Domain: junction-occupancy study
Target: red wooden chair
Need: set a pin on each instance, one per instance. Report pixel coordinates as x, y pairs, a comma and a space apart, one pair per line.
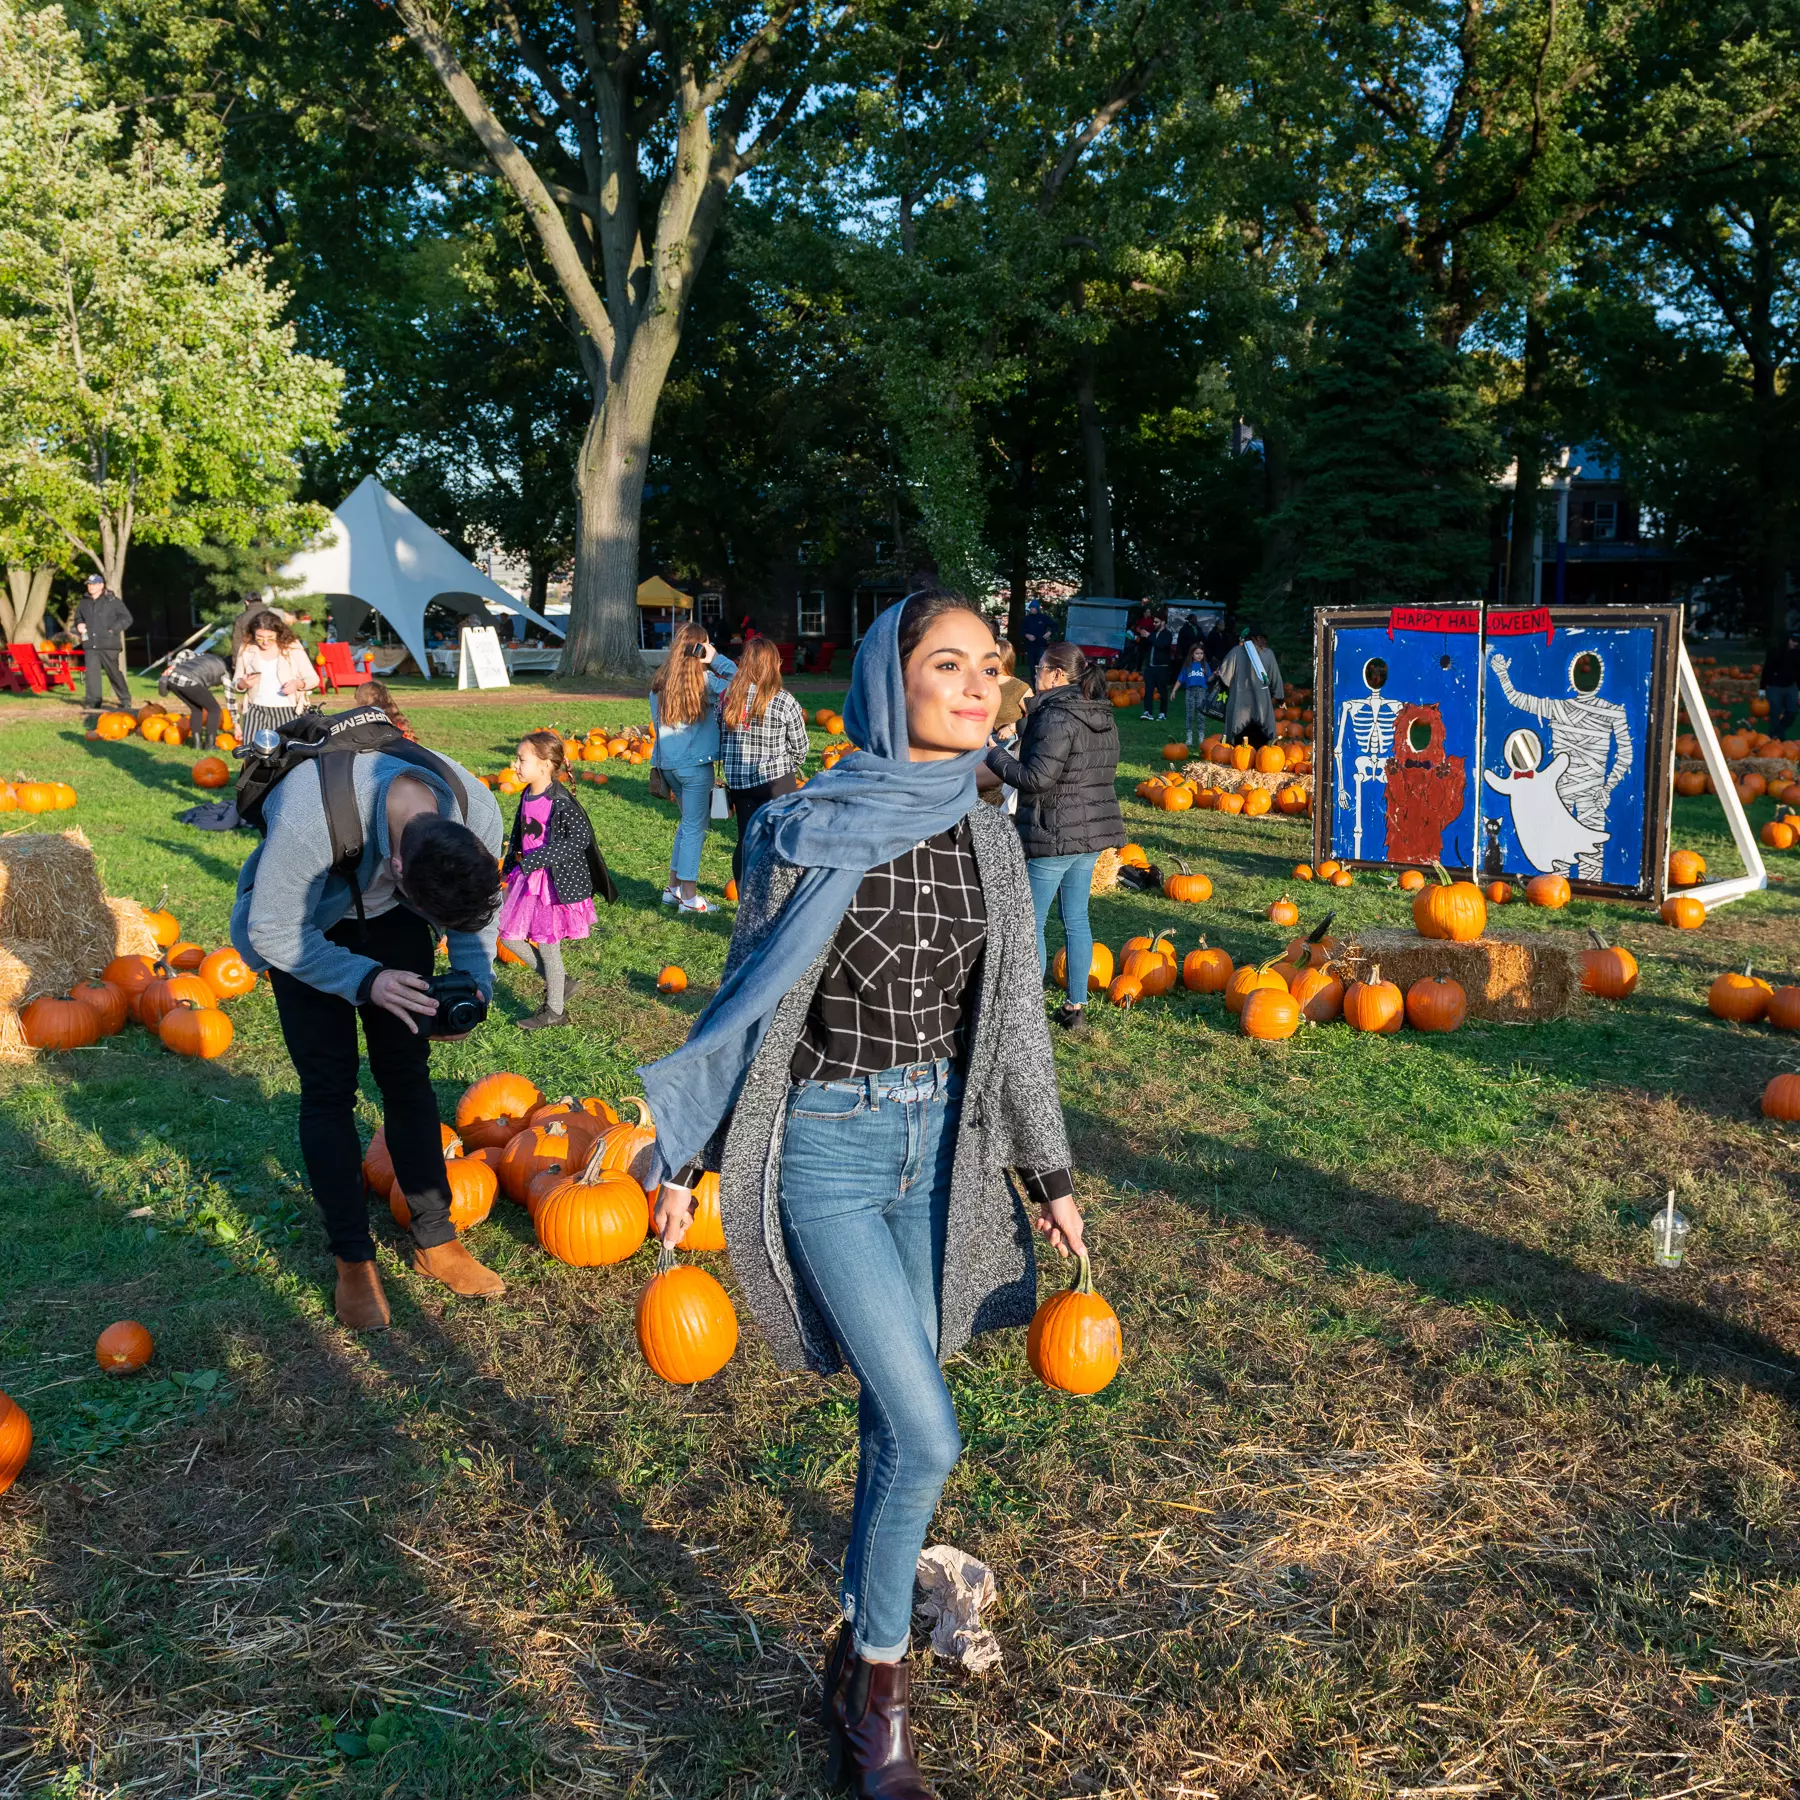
786, 653
337, 667
29, 671
818, 661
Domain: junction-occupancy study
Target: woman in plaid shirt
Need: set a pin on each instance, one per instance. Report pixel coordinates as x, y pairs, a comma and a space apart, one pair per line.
764, 738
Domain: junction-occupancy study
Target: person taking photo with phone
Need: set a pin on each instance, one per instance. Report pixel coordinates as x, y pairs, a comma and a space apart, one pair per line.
362, 943
684, 708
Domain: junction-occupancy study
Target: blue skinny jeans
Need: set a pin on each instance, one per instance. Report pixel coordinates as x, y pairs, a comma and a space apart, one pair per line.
1067, 880
695, 785
865, 1198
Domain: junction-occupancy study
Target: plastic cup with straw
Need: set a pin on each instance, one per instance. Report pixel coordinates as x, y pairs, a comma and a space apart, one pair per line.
1669, 1235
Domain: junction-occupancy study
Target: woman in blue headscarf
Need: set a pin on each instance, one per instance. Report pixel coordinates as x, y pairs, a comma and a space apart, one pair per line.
874, 1083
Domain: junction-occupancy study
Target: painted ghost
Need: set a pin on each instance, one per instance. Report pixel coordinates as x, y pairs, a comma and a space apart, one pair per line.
1549, 835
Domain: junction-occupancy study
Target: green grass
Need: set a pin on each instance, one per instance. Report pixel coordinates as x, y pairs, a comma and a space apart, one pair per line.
1417, 1477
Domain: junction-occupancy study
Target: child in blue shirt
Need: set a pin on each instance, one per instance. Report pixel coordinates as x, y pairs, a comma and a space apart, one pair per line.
1194, 680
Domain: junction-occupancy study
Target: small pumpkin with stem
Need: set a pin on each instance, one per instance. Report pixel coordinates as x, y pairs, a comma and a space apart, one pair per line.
1374, 1005
595, 1218
1781, 1098
1074, 1344
1205, 970
1784, 1009
123, 1347
1684, 912
1743, 999
53, 1022
190, 1029
1436, 1003
1187, 886
1283, 912
686, 1326
1550, 891
1251, 977
107, 1002
1319, 994
1609, 970
1450, 910
1269, 1014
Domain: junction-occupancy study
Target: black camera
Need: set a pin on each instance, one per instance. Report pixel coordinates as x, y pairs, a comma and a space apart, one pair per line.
460, 1006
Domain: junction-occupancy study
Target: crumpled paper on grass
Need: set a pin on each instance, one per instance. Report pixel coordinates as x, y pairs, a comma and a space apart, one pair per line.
953, 1589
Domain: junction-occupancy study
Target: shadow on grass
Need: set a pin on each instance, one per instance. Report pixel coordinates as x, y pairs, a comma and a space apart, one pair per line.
1408, 1242
426, 1415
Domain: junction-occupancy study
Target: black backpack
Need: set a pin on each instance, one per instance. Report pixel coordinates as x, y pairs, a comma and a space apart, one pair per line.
334, 744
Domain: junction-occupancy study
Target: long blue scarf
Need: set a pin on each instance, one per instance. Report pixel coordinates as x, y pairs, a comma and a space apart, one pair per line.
873, 806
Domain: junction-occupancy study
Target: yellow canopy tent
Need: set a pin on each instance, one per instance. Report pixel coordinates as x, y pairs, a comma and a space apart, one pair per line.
657, 592
657, 596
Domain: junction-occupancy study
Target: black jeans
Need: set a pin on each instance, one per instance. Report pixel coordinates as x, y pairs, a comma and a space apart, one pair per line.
746, 803
1159, 680
93, 660
320, 1032
205, 708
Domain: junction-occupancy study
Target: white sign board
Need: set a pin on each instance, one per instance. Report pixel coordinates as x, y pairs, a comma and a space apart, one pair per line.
481, 664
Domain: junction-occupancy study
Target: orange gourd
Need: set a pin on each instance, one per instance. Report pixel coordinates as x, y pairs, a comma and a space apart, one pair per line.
1684, 912
1100, 970
163, 927
50, 1023
1452, 910
1303, 871
186, 957
1269, 1013
15, 1440
1126, 991
686, 1327
1205, 971
1374, 1005
706, 1229
1175, 753
672, 980
1231, 803
1283, 912
1074, 1344
1248, 979
169, 991
1436, 1003
1411, 880
1781, 1098
107, 1003
1319, 995
530, 1151
123, 1347
190, 1029
1550, 891
227, 974
1784, 1009
1608, 970
1686, 867
211, 772
593, 1219
1271, 759
1187, 887
628, 1148
1242, 755
1741, 998
130, 975
493, 1108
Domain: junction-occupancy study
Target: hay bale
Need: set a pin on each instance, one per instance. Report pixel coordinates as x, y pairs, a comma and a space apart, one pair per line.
132, 935
1239, 781
1510, 977
1106, 873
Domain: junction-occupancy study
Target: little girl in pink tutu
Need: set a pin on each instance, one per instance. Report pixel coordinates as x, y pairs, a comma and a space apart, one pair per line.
553, 870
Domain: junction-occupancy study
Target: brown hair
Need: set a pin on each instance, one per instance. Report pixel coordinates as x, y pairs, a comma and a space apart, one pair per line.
550, 747
1009, 657
756, 683
680, 684
1071, 662
376, 694
270, 621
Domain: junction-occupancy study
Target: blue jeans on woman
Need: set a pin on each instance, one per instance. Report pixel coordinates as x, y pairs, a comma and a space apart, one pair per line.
1067, 880
694, 785
865, 1200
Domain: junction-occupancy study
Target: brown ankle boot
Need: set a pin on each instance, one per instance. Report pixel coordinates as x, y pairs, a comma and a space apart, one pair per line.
361, 1305
871, 1728
452, 1265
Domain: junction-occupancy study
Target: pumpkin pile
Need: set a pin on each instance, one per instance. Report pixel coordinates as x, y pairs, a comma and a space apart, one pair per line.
156, 724
22, 794
1747, 999
178, 995
1124, 687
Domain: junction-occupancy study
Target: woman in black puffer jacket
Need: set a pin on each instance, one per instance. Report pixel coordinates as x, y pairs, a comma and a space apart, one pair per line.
1067, 760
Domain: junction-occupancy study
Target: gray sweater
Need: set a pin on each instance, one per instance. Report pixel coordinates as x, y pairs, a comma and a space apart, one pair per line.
1011, 1118
287, 897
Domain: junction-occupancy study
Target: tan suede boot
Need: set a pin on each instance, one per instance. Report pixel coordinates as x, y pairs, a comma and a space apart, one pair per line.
452, 1265
361, 1305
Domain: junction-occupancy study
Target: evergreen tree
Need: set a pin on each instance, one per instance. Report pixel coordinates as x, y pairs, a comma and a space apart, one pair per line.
1393, 468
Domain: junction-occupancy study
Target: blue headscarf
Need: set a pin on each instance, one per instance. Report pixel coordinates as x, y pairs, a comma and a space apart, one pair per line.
874, 805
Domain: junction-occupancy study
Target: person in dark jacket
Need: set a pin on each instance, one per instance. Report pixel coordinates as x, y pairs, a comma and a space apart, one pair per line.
190, 676
1781, 683
1161, 661
553, 870
1036, 632
101, 621
1064, 771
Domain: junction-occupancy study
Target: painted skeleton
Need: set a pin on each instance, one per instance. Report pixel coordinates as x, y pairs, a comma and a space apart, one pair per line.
1585, 730
1370, 722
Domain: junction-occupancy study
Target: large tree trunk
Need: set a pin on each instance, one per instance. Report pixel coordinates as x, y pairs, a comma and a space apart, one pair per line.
609, 509
27, 599
1529, 452
1101, 577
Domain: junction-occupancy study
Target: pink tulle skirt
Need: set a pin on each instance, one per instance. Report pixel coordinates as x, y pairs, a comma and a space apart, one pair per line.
531, 910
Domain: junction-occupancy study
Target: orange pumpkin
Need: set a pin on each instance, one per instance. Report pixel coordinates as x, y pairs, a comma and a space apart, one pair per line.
1126, 991
627, 1148
1684, 912
686, 1327
1176, 798
1452, 910
190, 1029
123, 1347
227, 974
1242, 755
493, 1108
113, 726
1257, 803
1781, 1098
1152, 971
1283, 912
593, 1219
1205, 971
1550, 891
1269, 1013
1271, 759
1436, 1003
169, 991
50, 1023
1303, 872
1100, 970
1686, 867
1248, 979
672, 980
1411, 880
1608, 970
1319, 994
1498, 893
107, 1003
1374, 1004
211, 772
1741, 998
186, 957
472, 1186
1189, 888
1231, 803
1784, 1009
15, 1440
1175, 753
706, 1229
163, 927
130, 975
1074, 1344
530, 1151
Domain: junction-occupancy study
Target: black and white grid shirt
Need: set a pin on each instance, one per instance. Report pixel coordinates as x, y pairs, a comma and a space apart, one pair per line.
900, 966
775, 745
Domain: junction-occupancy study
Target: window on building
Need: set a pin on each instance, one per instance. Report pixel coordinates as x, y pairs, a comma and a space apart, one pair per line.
1606, 520
712, 608
809, 553
812, 614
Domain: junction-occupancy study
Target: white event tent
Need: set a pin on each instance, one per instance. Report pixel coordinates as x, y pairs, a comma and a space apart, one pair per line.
384, 557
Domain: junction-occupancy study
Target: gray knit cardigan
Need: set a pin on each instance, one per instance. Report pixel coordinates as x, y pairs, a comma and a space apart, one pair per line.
1011, 1119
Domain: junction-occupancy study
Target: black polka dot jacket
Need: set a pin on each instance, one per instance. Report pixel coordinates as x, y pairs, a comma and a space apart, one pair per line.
577, 869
